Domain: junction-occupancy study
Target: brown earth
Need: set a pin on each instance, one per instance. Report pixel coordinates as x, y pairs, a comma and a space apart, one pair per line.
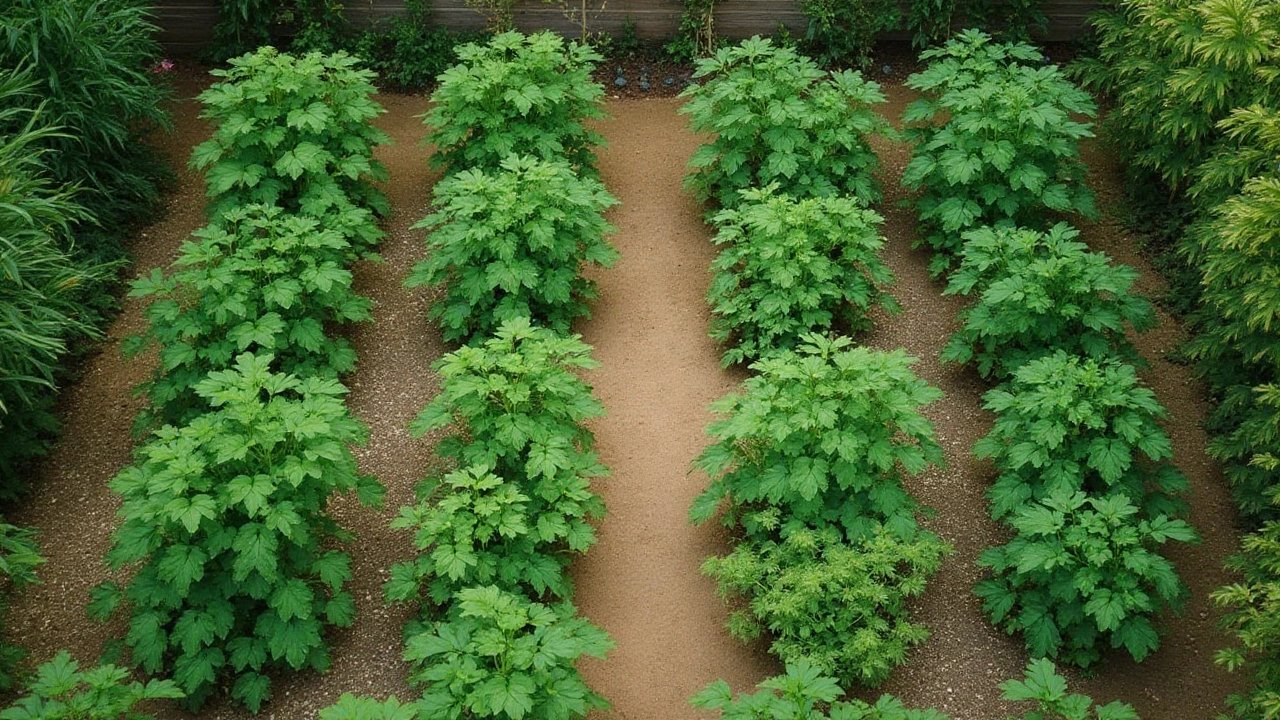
641, 582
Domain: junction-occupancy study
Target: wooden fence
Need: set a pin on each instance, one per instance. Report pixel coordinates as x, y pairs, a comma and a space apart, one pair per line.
187, 25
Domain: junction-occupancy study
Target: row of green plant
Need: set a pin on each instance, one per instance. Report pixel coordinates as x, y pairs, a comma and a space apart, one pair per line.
1082, 461
806, 692
810, 454
238, 571
1197, 107
516, 218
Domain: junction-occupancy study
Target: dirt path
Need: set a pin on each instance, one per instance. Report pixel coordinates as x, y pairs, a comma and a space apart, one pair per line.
660, 370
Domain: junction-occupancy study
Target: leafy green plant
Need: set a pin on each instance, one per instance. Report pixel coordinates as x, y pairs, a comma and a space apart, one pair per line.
1007, 19
294, 132
1039, 293
790, 267
498, 655
778, 118
243, 26
1067, 424
262, 280
1043, 685
839, 605
844, 32
805, 692
516, 94
818, 438
1175, 68
1252, 607
351, 707
319, 25
993, 140
475, 528
226, 516
512, 242
19, 558
1083, 571
62, 691
90, 62
517, 408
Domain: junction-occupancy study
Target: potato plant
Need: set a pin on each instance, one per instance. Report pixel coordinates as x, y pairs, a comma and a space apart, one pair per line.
1039, 293
496, 534
293, 132
1073, 424
840, 605
499, 655
1084, 571
790, 267
516, 94
1085, 482
511, 241
238, 577
778, 118
994, 141
805, 692
809, 457
261, 280
62, 691
819, 438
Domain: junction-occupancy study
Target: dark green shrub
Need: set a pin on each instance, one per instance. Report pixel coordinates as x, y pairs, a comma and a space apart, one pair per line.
778, 118
410, 51
843, 32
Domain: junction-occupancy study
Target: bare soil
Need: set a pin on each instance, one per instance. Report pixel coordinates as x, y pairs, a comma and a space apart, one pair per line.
660, 370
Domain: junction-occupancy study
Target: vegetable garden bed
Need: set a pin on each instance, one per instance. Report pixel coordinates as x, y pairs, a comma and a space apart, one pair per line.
659, 371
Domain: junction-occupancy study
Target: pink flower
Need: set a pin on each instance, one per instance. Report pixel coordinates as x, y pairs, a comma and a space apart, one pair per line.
163, 66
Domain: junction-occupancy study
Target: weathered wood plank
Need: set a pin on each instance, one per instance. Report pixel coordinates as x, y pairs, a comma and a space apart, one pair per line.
187, 25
